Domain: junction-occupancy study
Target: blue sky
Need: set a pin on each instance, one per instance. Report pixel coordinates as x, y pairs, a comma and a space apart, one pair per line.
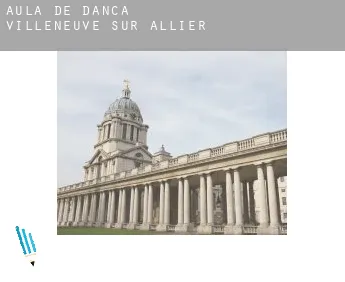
190, 100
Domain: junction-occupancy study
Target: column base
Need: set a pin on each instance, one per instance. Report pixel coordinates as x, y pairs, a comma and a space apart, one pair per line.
145, 226
118, 225
89, 224
184, 228
100, 224
238, 230
161, 228
108, 225
269, 230
82, 223
204, 229
131, 226
229, 229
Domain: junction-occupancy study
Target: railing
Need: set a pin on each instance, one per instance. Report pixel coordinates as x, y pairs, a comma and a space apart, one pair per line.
246, 144
278, 136
217, 151
171, 228
193, 157
230, 148
173, 162
218, 229
250, 229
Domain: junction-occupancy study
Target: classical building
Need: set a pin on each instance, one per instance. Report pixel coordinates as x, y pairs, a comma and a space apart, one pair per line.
236, 188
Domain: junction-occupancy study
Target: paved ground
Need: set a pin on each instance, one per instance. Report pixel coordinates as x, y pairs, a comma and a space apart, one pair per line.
105, 231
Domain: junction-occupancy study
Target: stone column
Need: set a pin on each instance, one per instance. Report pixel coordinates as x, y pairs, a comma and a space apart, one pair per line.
85, 209
78, 211
186, 200
131, 206
94, 208
98, 215
145, 205
150, 204
109, 206
102, 209
180, 202
123, 207
135, 209
112, 208
245, 202
161, 203
229, 203
66, 210
119, 209
262, 193
167, 203
60, 211
209, 200
238, 202
202, 200
251, 203
273, 199
72, 214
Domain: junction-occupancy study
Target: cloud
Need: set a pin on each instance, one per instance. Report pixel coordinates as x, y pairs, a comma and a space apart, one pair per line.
190, 100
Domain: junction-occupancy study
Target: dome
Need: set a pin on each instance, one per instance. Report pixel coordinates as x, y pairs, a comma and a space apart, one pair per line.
124, 106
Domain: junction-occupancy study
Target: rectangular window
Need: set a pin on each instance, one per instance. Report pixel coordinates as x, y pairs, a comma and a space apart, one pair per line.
124, 131
284, 201
283, 190
285, 215
137, 134
282, 179
132, 132
109, 125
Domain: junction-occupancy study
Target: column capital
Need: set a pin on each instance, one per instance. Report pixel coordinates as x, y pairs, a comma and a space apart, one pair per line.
259, 164
205, 173
269, 163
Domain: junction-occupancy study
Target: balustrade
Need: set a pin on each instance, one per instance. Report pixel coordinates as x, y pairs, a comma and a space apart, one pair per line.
274, 137
246, 144
278, 136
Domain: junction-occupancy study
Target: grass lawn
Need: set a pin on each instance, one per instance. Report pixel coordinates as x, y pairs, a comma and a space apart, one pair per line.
105, 231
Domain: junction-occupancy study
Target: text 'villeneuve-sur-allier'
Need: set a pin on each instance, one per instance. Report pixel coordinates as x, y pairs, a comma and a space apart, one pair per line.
102, 18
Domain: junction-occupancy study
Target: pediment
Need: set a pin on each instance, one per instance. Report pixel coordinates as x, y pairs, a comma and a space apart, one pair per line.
133, 153
97, 154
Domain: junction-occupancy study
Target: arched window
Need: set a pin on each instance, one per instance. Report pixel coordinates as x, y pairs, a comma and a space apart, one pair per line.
132, 132
109, 126
124, 130
138, 134
99, 167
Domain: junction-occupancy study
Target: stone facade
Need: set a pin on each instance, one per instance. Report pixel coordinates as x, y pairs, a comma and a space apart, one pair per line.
237, 188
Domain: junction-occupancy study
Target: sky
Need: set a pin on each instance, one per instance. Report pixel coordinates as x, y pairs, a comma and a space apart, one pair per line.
189, 100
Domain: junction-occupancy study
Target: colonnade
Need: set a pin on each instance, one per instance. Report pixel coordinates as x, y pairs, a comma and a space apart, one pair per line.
132, 207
